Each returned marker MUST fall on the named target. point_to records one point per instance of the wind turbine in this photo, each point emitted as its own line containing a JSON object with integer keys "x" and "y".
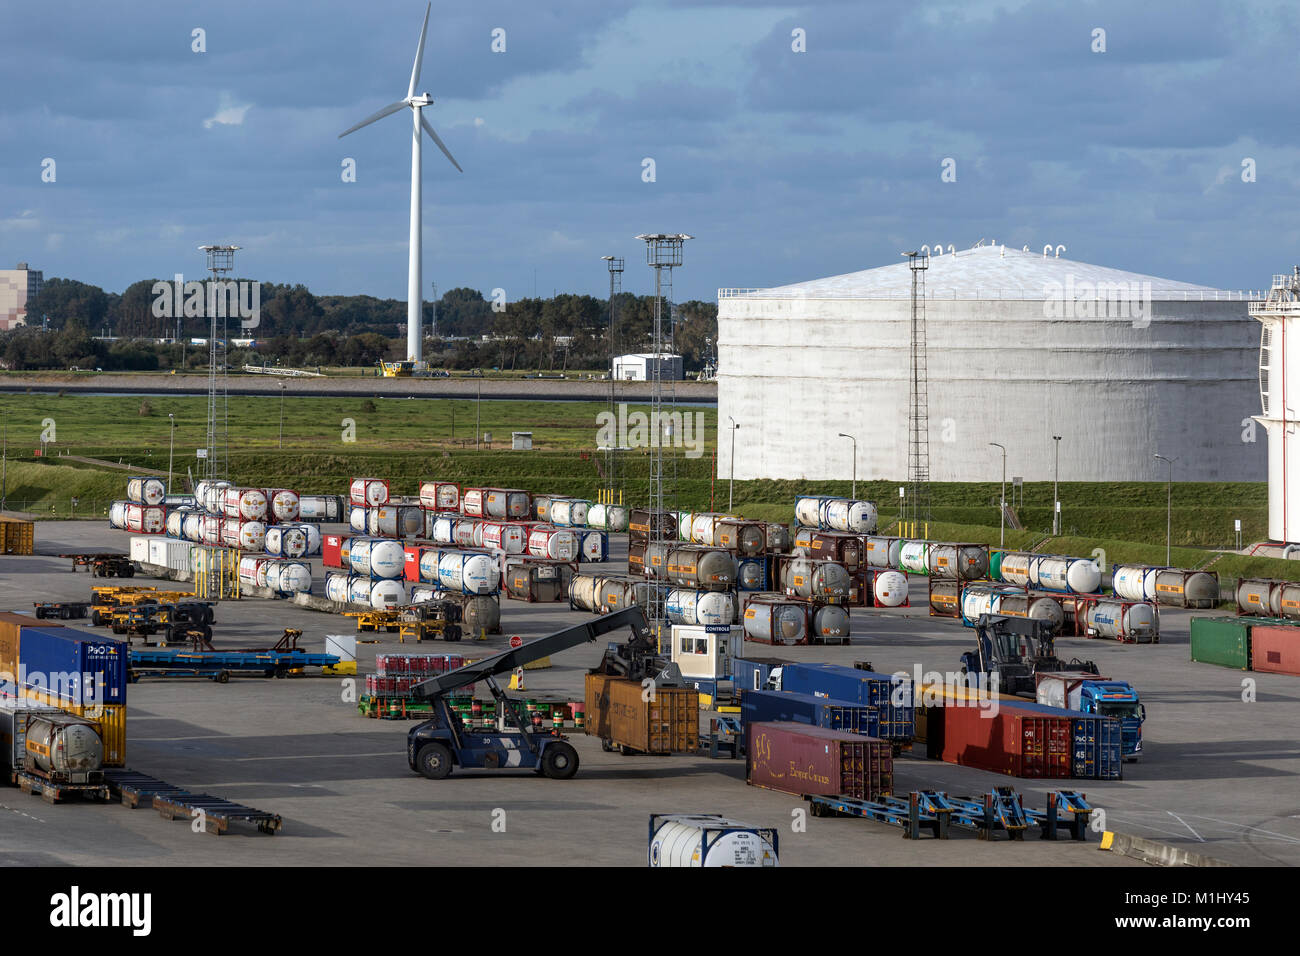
{"x": 414, "y": 341}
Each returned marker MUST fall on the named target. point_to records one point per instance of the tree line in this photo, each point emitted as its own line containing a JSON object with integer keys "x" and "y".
{"x": 297, "y": 328}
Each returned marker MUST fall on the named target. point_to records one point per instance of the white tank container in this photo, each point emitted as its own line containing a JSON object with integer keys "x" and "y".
{"x": 283, "y": 504}
{"x": 560, "y": 544}
{"x": 145, "y": 491}
{"x": 807, "y": 511}
{"x": 606, "y": 517}
{"x": 706, "y": 840}
{"x": 914, "y": 557}
{"x": 357, "y": 518}
{"x": 847, "y": 514}
{"x": 286, "y": 542}
{"x": 368, "y": 491}
{"x": 439, "y": 495}
{"x": 386, "y": 595}
{"x": 809, "y": 578}
{"x": 584, "y": 592}
{"x": 377, "y": 558}
{"x": 704, "y": 527}
{"x": 977, "y": 600}
{"x": 246, "y": 503}
{"x": 320, "y": 508}
{"x": 64, "y": 744}
{"x": 145, "y": 519}
{"x": 244, "y": 535}
{"x": 248, "y": 570}
{"x": 442, "y": 529}
{"x": 890, "y": 589}
{"x": 175, "y": 523}
{"x": 396, "y": 521}
{"x": 1074, "y": 575}
{"x": 338, "y": 586}
{"x": 471, "y": 503}
{"x": 563, "y": 512}
{"x": 592, "y": 545}
{"x": 463, "y": 532}
{"x": 1135, "y": 582}
{"x": 506, "y": 503}
{"x": 746, "y": 538}
{"x": 138, "y": 549}
{"x": 192, "y": 526}
{"x": 1037, "y": 607}
{"x": 510, "y": 538}
{"x": 1254, "y": 596}
{"x": 466, "y": 572}
{"x": 1118, "y": 619}
{"x": 615, "y": 593}
{"x": 685, "y": 606}
{"x": 211, "y": 531}
{"x": 288, "y": 577}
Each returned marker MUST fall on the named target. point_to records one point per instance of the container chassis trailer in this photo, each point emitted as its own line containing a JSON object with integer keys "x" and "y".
{"x": 51, "y": 791}
{"x": 999, "y": 810}
{"x": 136, "y": 789}
{"x": 103, "y": 564}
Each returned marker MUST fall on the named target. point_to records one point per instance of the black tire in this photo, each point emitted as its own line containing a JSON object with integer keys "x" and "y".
{"x": 223, "y": 677}
{"x": 559, "y": 760}
{"x": 433, "y": 761}
{"x": 40, "y": 614}
{"x": 129, "y": 572}
{"x": 451, "y": 634}
{"x": 607, "y": 745}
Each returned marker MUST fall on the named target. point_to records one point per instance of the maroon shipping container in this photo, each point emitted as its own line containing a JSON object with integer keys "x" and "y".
{"x": 1275, "y": 649}
{"x": 842, "y": 547}
{"x": 1019, "y": 743}
{"x": 802, "y": 759}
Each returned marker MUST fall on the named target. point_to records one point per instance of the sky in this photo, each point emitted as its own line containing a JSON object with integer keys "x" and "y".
{"x": 784, "y": 164}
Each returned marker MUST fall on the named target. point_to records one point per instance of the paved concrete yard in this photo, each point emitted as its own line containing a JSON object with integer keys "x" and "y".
{"x": 1219, "y": 776}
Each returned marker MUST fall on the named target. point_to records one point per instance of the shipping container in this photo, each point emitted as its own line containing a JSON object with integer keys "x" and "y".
{"x": 14, "y": 717}
{"x": 72, "y": 666}
{"x": 893, "y": 695}
{"x": 1096, "y": 741}
{"x": 765, "y": 706}
{"x": 752, "y": 574}
{"x": 645, "y": 524}
{"x": 617, "y": 714}
{"x": 775, "y": 619}
{"x": 593, "y": 546}
{"x": 805, "y": 760}
{"x": 742, "y": 538}
{"x": 1275, "y": 649}
{"x": 109, "y": 719}
{"x": 17, "y": 536}
{"x": 537, "y": 580}
{"x": 368, "y": 492}
{"x": 1021, "y": 743}
{"x": 751, "y": 673}
{"x": 11, "y": 626}
{"x": 697, "y": 566}
{"x": 1223, "y": 640}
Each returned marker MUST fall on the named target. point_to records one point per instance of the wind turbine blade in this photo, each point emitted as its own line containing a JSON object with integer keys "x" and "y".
{"x": 419, "y": 53}
{"x": 440, "y": 144}
{"x": 386, "y": 111}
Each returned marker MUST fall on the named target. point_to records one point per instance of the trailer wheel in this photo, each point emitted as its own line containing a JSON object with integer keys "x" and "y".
{"x": 223, "y": 677}
{"x": 433, "y": 761}
{"x": 129, "y": 571}
{"x": 607, "y": 745}
{"x": 559, "y": 760}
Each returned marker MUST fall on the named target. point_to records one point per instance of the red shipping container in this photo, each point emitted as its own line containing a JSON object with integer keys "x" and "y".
{"x": 330, "y": 550}
{"x": 1275, "y": 649}
{"x": 802, "y": 759}
{"x": 411, "y": 562}
{"x": 1019, "y": 743}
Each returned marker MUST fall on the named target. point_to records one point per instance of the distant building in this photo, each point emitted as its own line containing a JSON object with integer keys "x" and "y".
{"x": 17, "y": 287}
{"x": 640, "y": 367}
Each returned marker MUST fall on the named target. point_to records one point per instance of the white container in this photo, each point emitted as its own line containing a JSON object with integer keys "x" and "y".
{"x": 286, "y": 542}
{"x": 440, "y": 529}
{"x": 377, "y": 558}
{"x": 510, "y": 538}
{"x": 439, "y": 495}
{"x": 686, "y": 839}
{"x": 467, "y": 572}
{"x": 282, "y": 504}
{"x": 320, "y": 508}
{"x": 890, "y": 589}
{"x": 463, "y": 532}
{"x": 830, "y": 621}
{"x": 249, "y": 566}
{"x": 584, "y": 592}
{"x": 210, "y": 532}
{"x": 244, "y": 535}
{"x": 1135, "y": 582}
{"x": 338, "y": 586}
{"x": 288, "y": 577}
{"x": 144, "y": 519}
{"x": 808, "y": 578}
{"x": 357, "y": 515}
{"x": 508, "y": 503}
{"x": 368, "y": 491}
{"x": 145, "y": 491}
{"x": 246, "y": 503}
{"x": 685, "y": 606}
{"x": 1073, "y": 575}
{"x": 605, "y": 517}
{"x": 1120, "y": 619}
{"x": 139, "y": 548}
{"x": 396, "y": 521}
{"x": 773, "y": 621}
{"x": 914, "y": 556}
{"x": 808, "y": 511}
{"x": 471, "y": 503}
{"x": 569, "y": 512}
{"x": 546, "y": 541}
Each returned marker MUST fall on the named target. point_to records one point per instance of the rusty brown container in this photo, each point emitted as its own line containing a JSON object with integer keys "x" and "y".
{"x": 802, "y": 759}
{"x": 617, "y": 714}
{"x": 741, "y": 537}
{"x": 1275, "y": 649}
{"x": 10, "y": 625}
{"x": 645, "y": 523}
{"x": 841, "y": 547}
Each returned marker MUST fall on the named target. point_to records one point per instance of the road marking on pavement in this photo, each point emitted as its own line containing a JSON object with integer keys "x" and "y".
{"x": 1186, "y": 824}
{"x": 21, "y": 813}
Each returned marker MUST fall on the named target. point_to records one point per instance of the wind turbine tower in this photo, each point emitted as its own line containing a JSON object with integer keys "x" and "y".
{"x": 415, "y": 102}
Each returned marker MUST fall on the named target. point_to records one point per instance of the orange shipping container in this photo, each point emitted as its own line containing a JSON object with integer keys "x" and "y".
{"x": 1275, "y": 649}
{"x": 10, "y": 624}
{"x": 616, "y": 713}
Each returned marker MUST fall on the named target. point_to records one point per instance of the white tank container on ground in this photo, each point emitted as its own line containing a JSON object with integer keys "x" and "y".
{"x": 707, "y": 840}
{"x": 614, "y": 593}
{"x": 560, "y": 544}
{"x": 377, "y": 558}
{"x": 368, "y": 491}
{"x": 686, "y": 606}
{"x": 439, "y": 496}
{"x": 282, "y": 504}
{"x": 606, "y": 517}
{"x": 890, "y": 588}
{"x": 1135, "y": 582}
{"x": 1116, "y": 619}
{"x": 286, "y": 542}
{"x": 466, "y": 572}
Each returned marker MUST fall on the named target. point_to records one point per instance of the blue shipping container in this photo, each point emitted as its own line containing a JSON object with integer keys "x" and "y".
{"x": 74, "y": 666}
{"x": 1097, "y": 742}
{"x": 897, "y": 722}
{"x": 767, "y": 706}
{"x": 752, "y": 673}
{"x": 752, "y": 574}
{"x": 593, "y": 540}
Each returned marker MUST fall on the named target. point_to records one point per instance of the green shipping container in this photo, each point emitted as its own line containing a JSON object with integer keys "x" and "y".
{"x": 1226, "y": 640}
{"x": 995, "y": 565}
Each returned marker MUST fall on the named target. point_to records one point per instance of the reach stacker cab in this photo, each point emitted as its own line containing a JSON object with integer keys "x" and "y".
{"x": 1016, "y": 649}
{"x": 435, "y": 746}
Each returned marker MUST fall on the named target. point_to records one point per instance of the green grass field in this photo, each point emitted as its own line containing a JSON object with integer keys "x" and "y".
{"x": 406, "y": 440}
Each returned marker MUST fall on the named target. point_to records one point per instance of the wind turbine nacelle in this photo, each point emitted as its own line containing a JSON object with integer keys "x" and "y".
{"x": 424, "y": 99}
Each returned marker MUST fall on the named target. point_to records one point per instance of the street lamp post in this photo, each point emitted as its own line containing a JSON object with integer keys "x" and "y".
{"x": 1169, "y": 506}
{"x": 1056, "y": 485}
{"x": 171, "y": 449}
{"x": 731, "y": 478}
{"x": 282, "y": 416}
{"x": 1002, "y": 503}
{"x": 854, "y": 493}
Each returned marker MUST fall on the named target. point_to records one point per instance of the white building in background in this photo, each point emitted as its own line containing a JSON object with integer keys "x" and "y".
{"x": 1279, "y": 396}
{"x": 17, "y": 287}
{"x": 640, "y": 367}
{"x": 1021, "y": 347}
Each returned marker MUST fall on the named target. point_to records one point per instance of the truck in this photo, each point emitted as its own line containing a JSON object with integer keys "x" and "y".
{"x": 1093, "y": 694}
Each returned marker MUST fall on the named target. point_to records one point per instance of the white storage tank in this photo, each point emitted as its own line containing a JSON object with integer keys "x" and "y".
{"x": 560, "y": 544}
{"x": 368, "y": 492}
{"x": 439, "y": 495}
{"x": 467, "y": 572}
{"x": 890, "y": 589}
{"x": 282, "y": 504}
{"x": 686, "y": 606}
{"x": 145, "y": 491}
{"x": 708, "y": 840}
{"x": 605, "y": 517}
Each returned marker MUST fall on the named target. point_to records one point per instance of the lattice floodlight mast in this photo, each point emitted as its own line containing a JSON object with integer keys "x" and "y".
{"x": 663, "y": 254}
{"x": 221, "y": 262}
{"x": 918, "y": 426}
{"x": 615, "y": 264}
